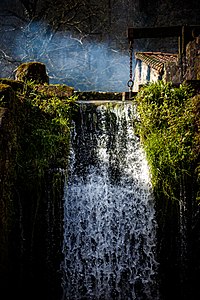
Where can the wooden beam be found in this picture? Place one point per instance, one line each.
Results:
(185, 34)
(162, 32)
(154, 32)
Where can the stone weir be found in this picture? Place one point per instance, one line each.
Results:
(104, 96)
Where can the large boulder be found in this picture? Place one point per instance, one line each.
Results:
(35, 71)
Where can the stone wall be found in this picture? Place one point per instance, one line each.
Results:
(192, 67)
(188, 66)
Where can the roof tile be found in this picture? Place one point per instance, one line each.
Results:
(156, 60)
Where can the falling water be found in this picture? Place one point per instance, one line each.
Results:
(109, 217)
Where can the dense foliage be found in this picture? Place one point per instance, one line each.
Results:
(45, 120)
(169, 130)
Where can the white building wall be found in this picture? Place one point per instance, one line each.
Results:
(143, 73)
(154, 75)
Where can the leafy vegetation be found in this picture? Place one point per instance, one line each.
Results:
(45, 120)
(169, 130)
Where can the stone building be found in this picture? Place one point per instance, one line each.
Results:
(170, 67)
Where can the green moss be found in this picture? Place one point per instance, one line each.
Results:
(46, 121)
(55, 90)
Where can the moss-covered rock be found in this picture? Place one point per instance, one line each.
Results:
(57, 90)
(35, 71)
(16, 85)
(6, 95)
(34, 148)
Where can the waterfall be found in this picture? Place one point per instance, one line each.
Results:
(109, 245)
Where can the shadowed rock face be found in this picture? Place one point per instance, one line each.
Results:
(30, 210)
(35, 71)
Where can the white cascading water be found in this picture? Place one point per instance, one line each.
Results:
(109, 217)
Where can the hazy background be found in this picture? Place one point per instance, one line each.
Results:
(83, 43)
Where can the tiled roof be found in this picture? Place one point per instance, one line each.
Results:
(156, 60)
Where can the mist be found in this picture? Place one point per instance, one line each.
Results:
(77, 61)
